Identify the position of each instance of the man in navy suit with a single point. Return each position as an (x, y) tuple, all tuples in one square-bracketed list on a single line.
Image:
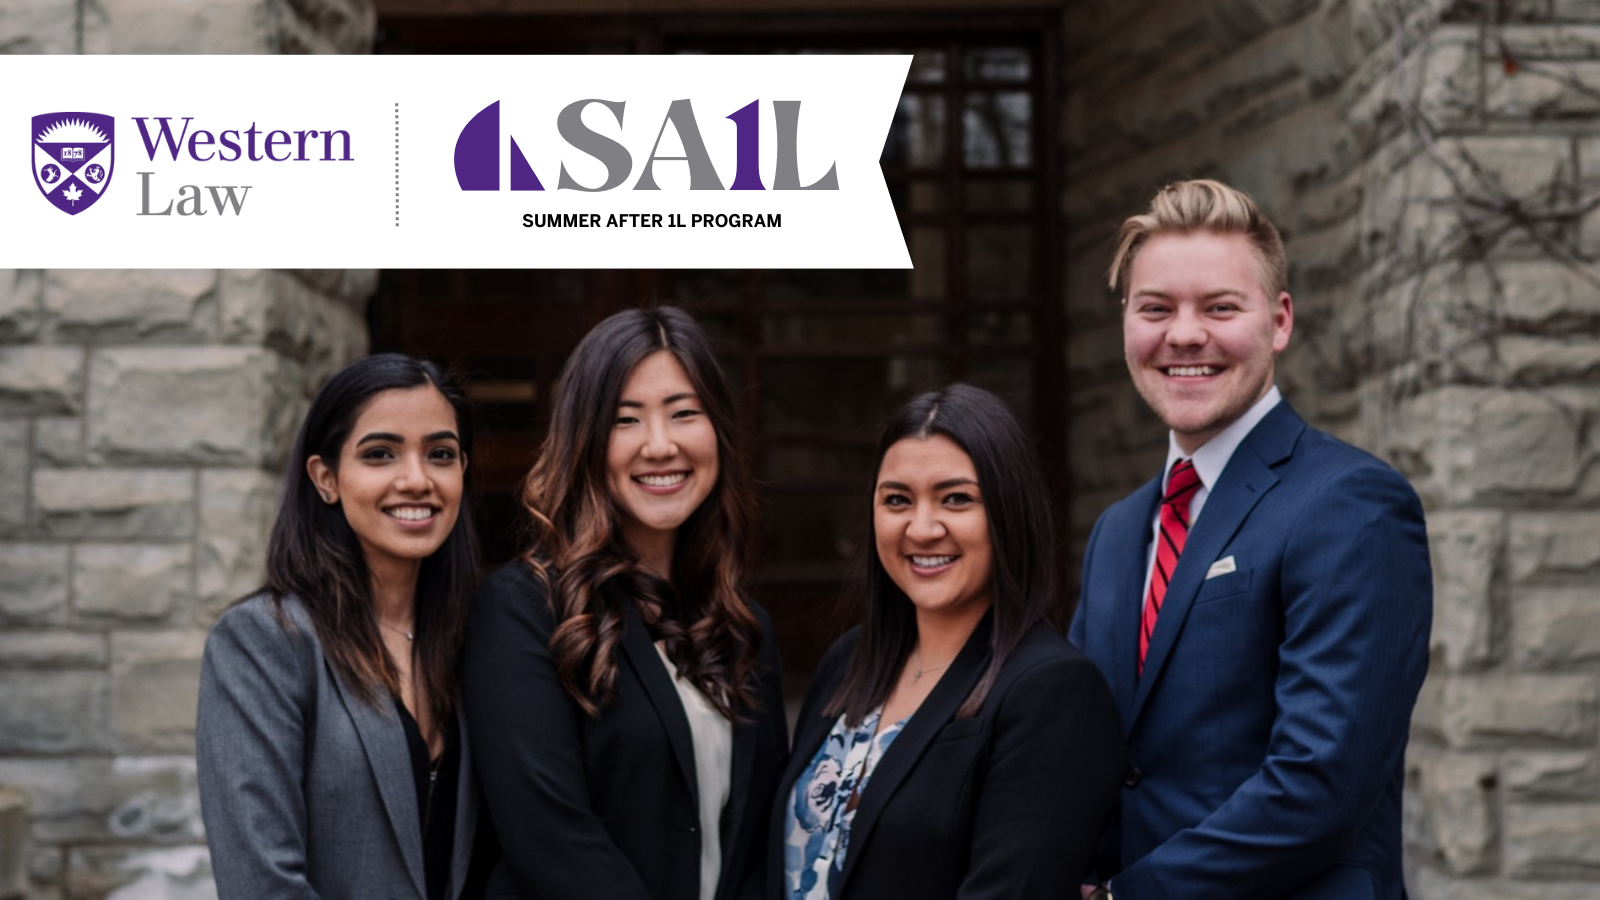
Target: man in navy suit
[(1261, 607)]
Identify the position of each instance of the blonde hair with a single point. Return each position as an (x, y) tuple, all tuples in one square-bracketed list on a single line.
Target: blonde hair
[(1203, 205)]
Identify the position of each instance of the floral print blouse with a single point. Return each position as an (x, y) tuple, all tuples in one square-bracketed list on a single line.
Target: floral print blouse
[(817, 827)]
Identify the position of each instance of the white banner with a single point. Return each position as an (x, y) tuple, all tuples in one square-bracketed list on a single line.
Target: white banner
[(448, 162)]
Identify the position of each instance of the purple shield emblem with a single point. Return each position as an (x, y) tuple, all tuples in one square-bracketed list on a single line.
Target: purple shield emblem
[(72, 158)]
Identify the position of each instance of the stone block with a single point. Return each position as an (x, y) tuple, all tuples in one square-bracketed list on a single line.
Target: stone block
[(1457, 798), (33, 583), (1537, 293), (1449, 79), (1533, 169), (1528, 711), (1552, 841), (58, 440), (328, 26), (203, 404), (1522, 442), (1552, 91), (320, 323), (52, 712), (1534, 360), (14, 459), (1575, 11), (156, 682), (1465, 444), (1554, 543), (41, 380), (51, 650), (144, 504), (1427, 884), (131, 583), (13, 842), (132, 873), (1551, 776), (38, 26), (1538, 42), (183, 26), (1555, 628), (237, 509), (1466, 548), (19, 294), (148, 799), (131, 305)]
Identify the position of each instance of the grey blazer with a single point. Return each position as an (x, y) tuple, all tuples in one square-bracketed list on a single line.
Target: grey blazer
[(306, 791)]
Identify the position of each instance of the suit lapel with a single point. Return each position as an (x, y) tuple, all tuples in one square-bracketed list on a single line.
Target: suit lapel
[(1247, 478), (466, 812), (383, 740), (1129, 539), (908, 747), (744, 745), (651, 671)]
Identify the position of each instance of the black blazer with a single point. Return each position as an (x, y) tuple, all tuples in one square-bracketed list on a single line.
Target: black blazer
[(1006, 804), (604, 807)]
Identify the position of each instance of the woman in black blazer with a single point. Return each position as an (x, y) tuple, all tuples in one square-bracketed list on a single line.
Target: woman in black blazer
[(953, 745), (622, 695)]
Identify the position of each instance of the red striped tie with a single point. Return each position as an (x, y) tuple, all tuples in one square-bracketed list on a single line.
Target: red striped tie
[(1181, 486)]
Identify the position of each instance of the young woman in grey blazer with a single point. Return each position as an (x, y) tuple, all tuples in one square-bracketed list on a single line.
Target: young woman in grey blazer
[(331, 758)]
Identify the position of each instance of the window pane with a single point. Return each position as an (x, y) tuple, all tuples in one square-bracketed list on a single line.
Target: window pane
[(1011, 377), (793, 459), (829, 284), (928, 249), (916, 137), (996, 195), (996, 129), (878, 331), (999, 262), (995, 326), (927, 67), (848, 395), (997, 64), (815, 527)]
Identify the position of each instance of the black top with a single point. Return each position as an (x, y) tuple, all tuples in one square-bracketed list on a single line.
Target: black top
[(607, 805), (1007, 803), (436, 798)]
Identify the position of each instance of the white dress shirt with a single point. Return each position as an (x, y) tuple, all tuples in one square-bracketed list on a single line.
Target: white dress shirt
[(1209, 461)]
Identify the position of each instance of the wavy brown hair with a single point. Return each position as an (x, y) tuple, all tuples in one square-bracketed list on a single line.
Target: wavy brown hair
[(315, 556), (575, 541)]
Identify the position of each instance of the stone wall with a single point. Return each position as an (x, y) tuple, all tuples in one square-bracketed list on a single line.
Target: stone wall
[(145, 418), (1435, 167)]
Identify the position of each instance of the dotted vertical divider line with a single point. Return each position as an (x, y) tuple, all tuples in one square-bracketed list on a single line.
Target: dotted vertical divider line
[(397, 165)]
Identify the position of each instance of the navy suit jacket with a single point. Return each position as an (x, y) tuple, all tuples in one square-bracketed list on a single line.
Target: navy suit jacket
[(1266, 737)]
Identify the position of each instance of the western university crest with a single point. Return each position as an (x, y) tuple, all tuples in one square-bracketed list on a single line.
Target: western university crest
[(72, 157)]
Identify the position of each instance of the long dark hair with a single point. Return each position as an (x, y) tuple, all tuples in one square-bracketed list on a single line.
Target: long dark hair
[(575, 536), (315, 556), (1021, 535)]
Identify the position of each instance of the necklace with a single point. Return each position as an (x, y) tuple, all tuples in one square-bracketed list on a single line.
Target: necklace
[(400, 631), (917, 670)]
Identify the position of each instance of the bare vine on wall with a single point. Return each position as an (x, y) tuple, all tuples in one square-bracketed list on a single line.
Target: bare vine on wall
[(1484, 214)]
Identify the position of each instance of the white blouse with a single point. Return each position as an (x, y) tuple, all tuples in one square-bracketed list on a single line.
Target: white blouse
[(713, 770)]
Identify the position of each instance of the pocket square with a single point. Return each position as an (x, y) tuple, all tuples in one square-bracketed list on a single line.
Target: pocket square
[(1221, 567)]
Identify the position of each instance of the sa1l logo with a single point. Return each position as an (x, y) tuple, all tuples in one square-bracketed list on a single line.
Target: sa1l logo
[(477, 157)]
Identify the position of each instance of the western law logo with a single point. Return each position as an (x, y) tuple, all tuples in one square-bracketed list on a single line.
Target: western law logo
[(72, 158), (477, 152)]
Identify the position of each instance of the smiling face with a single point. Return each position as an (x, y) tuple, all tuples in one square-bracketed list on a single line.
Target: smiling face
[(398, 477), (661, 458), (931, 530), (1199, 331)]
